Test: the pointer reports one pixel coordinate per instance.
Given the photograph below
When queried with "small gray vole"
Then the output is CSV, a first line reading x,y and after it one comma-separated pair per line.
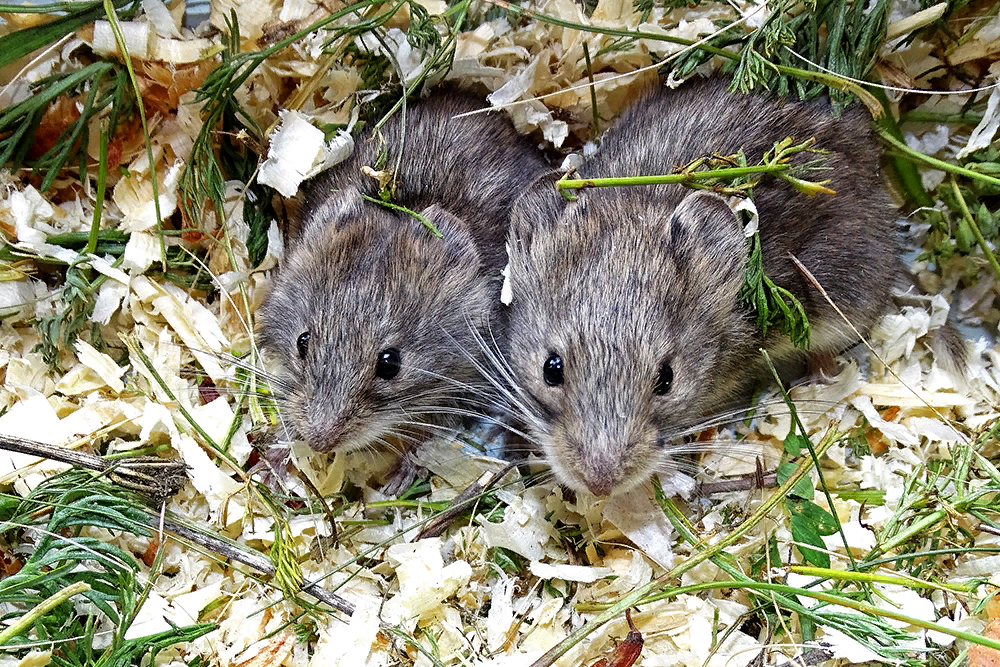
x,y
371,316
625,329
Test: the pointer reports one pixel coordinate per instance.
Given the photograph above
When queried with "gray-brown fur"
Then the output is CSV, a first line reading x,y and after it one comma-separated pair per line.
x,y
625,278
362,279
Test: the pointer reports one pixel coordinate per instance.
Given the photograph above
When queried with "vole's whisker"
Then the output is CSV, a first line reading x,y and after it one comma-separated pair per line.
x,y
270,378
506,384
733,418
709,444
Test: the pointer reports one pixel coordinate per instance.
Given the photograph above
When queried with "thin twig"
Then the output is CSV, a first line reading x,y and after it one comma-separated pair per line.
x,y
149,475
466,499
815,283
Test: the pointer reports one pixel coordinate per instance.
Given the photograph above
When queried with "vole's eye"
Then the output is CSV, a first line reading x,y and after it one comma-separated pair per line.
x,y
302,343
664,379
388,364
552,370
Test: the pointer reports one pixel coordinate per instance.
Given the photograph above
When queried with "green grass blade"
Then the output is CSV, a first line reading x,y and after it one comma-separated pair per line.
x,y
18,44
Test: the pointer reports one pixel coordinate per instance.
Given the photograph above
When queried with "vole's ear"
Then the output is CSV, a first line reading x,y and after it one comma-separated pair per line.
x,y
454,234
336,208
705,234
539,206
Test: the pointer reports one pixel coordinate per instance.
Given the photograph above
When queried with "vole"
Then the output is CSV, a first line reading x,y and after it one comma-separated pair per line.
x,y
371,316
625,326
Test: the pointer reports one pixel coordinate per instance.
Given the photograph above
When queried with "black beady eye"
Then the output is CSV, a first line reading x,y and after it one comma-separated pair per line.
x,y
302,343
664,379
387,366
552,370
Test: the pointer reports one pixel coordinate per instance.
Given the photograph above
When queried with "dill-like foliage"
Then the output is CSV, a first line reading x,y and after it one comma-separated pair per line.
x,y
58,511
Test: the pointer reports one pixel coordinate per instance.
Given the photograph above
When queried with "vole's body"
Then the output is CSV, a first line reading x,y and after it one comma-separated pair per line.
x,y
625,280
360,280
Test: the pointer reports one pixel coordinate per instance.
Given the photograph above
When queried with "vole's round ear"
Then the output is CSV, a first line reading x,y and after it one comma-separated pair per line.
x,y
537,207
454,234
323,209
704,231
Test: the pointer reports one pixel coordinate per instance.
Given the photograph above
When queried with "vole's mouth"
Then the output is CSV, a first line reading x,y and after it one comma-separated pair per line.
x,y
597,470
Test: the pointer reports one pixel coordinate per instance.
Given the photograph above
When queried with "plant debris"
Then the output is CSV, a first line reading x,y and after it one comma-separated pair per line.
x,y
141,214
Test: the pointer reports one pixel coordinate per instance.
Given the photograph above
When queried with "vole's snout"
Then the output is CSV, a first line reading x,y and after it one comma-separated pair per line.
x,y
600,472
323,432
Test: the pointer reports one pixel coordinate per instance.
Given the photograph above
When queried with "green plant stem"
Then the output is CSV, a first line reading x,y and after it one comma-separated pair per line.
x,y
829,598
109,9
990,257
684,177
936,117
867,565
102,177
905,171
595,124
45,606
36,102
841,575
640,593
402,209
917,156
916,528
134,346
815,458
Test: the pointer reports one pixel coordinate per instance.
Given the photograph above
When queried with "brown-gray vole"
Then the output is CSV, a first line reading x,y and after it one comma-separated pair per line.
x,y
371,316
625,328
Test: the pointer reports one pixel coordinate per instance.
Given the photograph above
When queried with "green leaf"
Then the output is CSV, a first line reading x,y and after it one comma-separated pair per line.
x,y
508,561
794,444
804,487
804,532
821,519
17,45
775,306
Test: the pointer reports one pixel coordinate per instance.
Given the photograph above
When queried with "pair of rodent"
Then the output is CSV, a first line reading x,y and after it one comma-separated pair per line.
x,y
624,328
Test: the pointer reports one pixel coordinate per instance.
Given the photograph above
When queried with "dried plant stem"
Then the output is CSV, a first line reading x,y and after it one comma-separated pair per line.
x,y
259,562
819,288
150,475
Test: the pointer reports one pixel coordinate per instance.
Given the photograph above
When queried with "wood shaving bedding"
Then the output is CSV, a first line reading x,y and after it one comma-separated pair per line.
x,y
450,590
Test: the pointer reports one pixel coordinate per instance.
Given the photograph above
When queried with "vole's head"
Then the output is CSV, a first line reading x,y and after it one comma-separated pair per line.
x,y
623,305
370,318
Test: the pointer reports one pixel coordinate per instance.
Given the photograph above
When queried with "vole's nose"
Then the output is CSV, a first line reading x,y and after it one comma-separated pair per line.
x,y
599,466
323,433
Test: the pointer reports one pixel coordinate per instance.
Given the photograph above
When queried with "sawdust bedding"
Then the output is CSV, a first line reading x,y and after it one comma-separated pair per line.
x,y
499,587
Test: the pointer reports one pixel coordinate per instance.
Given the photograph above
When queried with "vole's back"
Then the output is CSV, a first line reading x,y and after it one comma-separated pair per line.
x,y
847,240
473,166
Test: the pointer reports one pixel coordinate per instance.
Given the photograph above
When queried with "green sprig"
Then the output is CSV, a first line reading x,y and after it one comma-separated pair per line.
x,y
775,306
